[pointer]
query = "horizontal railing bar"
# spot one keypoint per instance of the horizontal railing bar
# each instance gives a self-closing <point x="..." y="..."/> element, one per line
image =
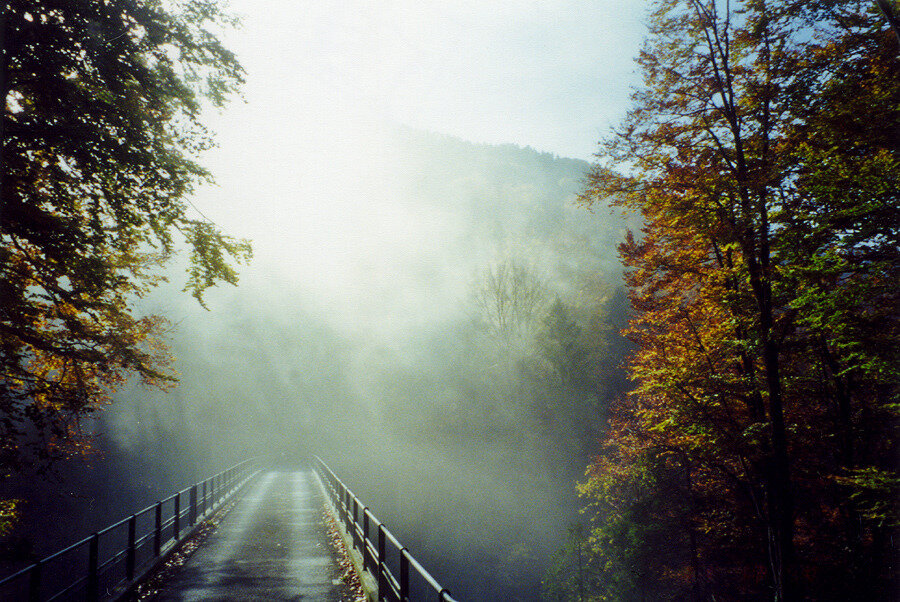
<point x="152" y="507"/>
<point x="390" y="535"/>
<point x="114" y="558"/>
<point x="392" y="539"/>
<point x="347" y="502"/>
<point x="239" y="474"/>
<point x="64" y="551"/>
<point x="106" y="530"/>
<point x="60" y="594"/>
<point x="425" y="574"/>
<point x="146" y="537"/>
<point x="373" y="518"/>
<point x="392" y="582"/>
<point x="17" y="574"/>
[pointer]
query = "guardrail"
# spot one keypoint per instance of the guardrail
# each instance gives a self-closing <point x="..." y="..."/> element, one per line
<point x="389" y="564"/>
<point x="110" y="560"/>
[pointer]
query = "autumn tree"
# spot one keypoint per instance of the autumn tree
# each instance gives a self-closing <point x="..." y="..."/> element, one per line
<point x="100" y="132"/>
<point x="512" y="300"/>
<point x="763" y="155"/>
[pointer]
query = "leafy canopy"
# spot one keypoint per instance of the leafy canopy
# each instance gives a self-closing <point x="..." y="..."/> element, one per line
<point x="100" y="130"/>
<point x="763" y="155"/>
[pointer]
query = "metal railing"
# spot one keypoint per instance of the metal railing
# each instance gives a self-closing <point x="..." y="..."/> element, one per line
<point x="385" y="558"/>
<point x="113" y="558"/>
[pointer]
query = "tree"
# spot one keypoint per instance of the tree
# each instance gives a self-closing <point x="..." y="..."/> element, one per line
<point x="100" y="128"/>
<point x="561" y="345"/>
<point x="511" y="299"/>
<point x="763" y="154"/>
<point x="570" y="577"/>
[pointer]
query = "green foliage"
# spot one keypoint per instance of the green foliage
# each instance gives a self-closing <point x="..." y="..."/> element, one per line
<point x="763" y="156"/>
<point x="874" y="492"/>
<point x="561" y="344"/>
<point x="208" y="257"/>
<point x="8" y="515"/>
<point x="476" y="457"/>
<point x="99" y="132"/>
<point x="512" y="301"/>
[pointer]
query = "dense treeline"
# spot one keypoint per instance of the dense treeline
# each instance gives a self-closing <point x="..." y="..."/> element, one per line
<point x="463" y="415"/>
<point x="100" y="131"/>
<point x="753" y="453"/>
<point x="464" y="427"/>
<point x="756" y="457"/>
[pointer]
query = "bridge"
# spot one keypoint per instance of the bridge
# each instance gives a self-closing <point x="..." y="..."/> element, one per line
<point x="250" y="532"/>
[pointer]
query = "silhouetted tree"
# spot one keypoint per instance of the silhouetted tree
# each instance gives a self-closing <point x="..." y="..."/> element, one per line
<point x="102" y="101"/>
<point x="763" y="155"/>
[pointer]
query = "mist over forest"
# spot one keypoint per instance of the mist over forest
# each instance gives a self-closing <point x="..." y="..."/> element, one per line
<point x="460" y="390"/>
<point x="696" y="333"/>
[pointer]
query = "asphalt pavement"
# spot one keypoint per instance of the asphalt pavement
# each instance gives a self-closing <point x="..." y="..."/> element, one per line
<point x="273" y="545"/>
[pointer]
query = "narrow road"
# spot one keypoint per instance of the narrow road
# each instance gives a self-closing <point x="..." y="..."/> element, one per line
<point x="274" y="545"/>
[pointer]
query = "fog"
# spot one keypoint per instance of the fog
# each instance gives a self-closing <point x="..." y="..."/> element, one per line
<point x="452" y="361"/>
<point x="455" y="377"/>
<point x="377" y="325"/>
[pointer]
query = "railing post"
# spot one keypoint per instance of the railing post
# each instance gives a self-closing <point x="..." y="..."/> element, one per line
<point x="34" y="582"/>
<point x="157" y="530"/>
<point x="339" y="500"/>
<point x="346" y="502"/>
<point x="382" y="578"/>
<point x="355" y="523"/>
<point x="129" y="555"/>
<point x="365" y="550"/>
<point x="176" y="518"/>
<point x="93" y="579"/>
<point x="404" y="574"/>
<point x="192" y="515"/>
<point x="36" y="578"/>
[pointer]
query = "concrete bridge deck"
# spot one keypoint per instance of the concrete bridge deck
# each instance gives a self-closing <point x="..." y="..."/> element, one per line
<point x="273" y="545"/>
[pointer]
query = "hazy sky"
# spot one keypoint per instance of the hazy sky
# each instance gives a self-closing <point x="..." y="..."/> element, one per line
<point x="302" y="165"/>
<point x="551" y="74"/>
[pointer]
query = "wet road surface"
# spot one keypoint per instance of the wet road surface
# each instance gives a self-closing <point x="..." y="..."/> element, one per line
<point x="274" y="545"/>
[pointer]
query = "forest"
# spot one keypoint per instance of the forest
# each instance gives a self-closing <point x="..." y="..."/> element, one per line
<point x="481" y="412"/>
<point x="669" y="374"/>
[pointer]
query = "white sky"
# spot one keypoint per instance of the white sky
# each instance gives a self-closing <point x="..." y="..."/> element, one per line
<point x="300" y="162"/>
<point x="551" y="74"/>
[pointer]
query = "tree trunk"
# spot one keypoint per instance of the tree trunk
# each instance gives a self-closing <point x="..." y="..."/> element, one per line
<point x="781" y="504"/>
